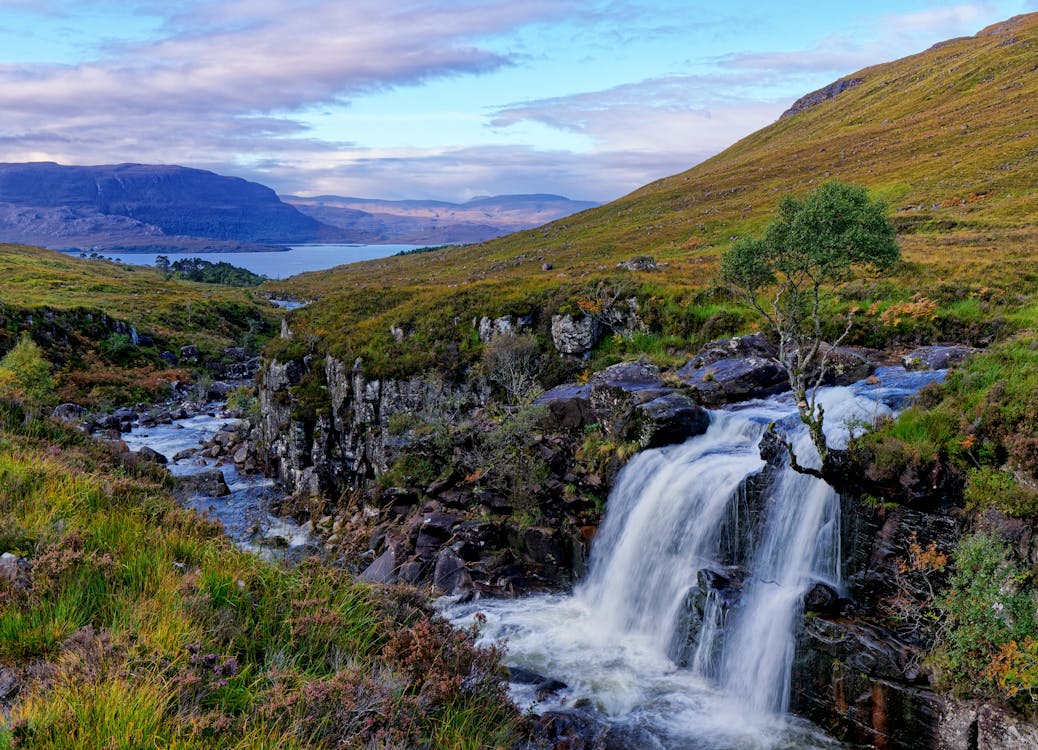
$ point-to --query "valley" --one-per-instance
(548, 490)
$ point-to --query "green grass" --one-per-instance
(148, 629)
(80, 313)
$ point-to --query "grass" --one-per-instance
(139, 625)
(82, 313)
(943, 136)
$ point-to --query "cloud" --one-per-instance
(230, 74)
(952, 19)
(463, 173)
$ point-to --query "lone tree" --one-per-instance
(826, 238)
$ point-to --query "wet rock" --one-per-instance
(450, 575)
(845, 366)
(672, 418)
(575, 336)
(629, 377)
(209, 483)
(433, 533)
(936, 357)
(125, 415)
(822, 599)
(732, 379)
(739, 347)
(147, 453)
(186, 453)
(71, 413)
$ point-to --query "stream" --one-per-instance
(245, 512)
(683, 633)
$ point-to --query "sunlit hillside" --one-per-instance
(946, 137)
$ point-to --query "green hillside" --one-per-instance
(946, 137)
(82, 312)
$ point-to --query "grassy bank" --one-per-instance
(129, 622)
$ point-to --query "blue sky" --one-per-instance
(444, 99)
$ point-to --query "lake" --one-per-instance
(277, 265)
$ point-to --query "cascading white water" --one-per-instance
(677, 515)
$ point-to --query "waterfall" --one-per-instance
(687, 620)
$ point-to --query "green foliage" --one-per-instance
(816, 240)
(25, 378)
(196, 269)
(987, 487)
(989, 605)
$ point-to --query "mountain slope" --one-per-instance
(65, 206)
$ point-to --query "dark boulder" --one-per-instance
(209, 483)
(823, 599)
(169, 358)
(568, 407)
(150, 454)
(732, 379)
(450, 575)
(672, 418)
(189, 353)
(219, 390)
(936, 357)
(845, 366)
(382, 569)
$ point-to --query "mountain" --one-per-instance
(946, 137)
(151, 206)
(438, 222)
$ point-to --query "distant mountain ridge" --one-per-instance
(431, 221)
(157, 208)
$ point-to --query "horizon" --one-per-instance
(442, 100)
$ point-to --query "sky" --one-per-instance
(434, 99)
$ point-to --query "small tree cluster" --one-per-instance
(25, 378)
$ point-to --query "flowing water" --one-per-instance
(685, 627)
(245, 512)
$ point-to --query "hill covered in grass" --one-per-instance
(945, 137)
(105, 325)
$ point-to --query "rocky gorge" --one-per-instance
(432, 482)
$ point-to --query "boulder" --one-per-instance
(209, 483)
(629, 377)
(10, 567)
(568, 407)
(936, 357)
(846, 366)
(672, 418)
(152, 455)
(732, 379)
(575, 336)
(383, 569)
(751, 345)
(450, 576)
(822, 599)
(638, 263)
(70, 413)
(169, 358)
(219, 390)
(189, 353)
